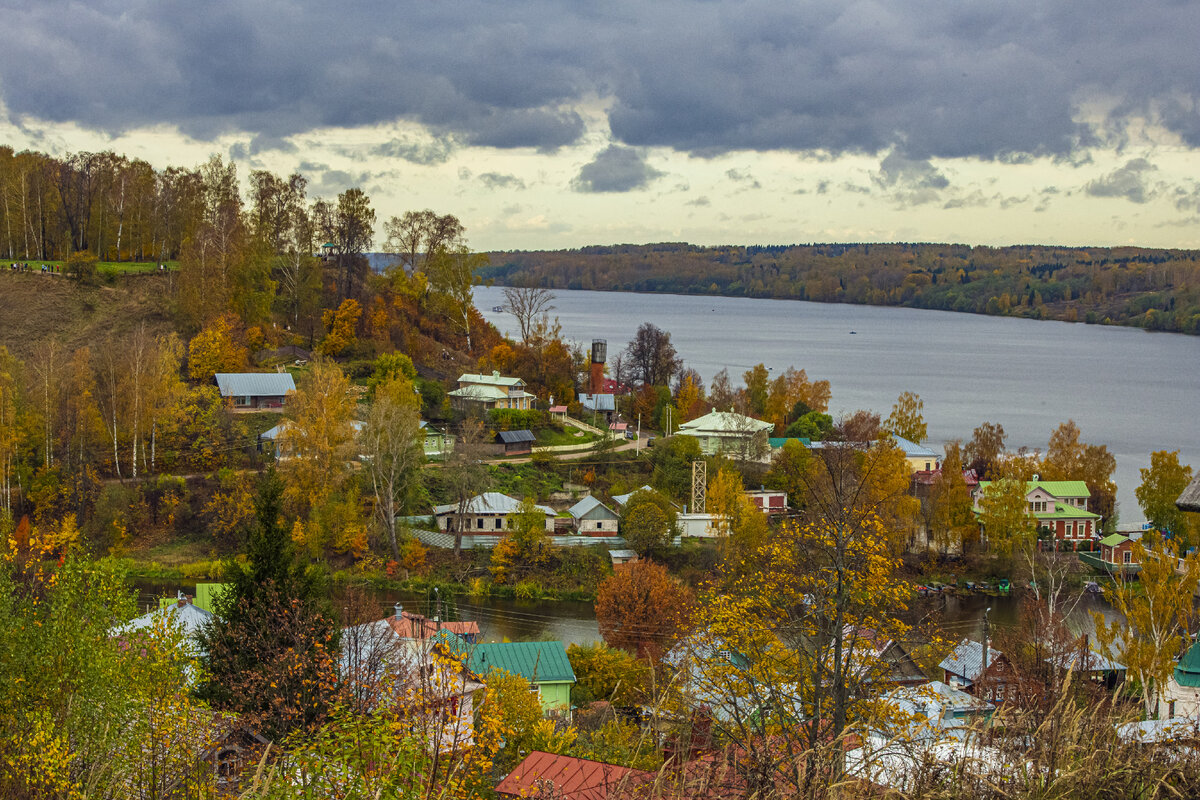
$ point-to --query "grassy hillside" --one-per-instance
(36, 307)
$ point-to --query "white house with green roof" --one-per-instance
(1060, 508)
(730, 433)
(1181, 698)
(486, 392)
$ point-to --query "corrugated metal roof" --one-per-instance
(913, 449)
(489, 503)
(967, 659)
(495, 379)
(538, 662)
(724, 422)
(254, 384)
(588, 505)
(622, 499)
(1190, 499)
(516, 437)
(571, 778)
(598, 402)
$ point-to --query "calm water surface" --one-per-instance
(1134, 391)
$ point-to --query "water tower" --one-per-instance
(599, 356)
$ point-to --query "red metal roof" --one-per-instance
(558, 409)
(412, 626)
(572, 778)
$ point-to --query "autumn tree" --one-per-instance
(270, 654)
(1162, 483)
(952, 520)
(1157, 617)
(320, 437)
(392, 442)
(758, 387)
(466, 474)
(527, 303)
(216, 349)
(341, 327)
(984, 448)
(451, 273)
(651, 357)
(642, 609)
(648, 523)
(906, 420)
(689, 397)
(1008, 524)
(1068, 458)
(10, 433)
(721, 392)
(349, 227)
(861, 426)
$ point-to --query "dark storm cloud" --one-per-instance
(909, 180)
(417, 152)
(1131, 181)
(925, 78)
(615, 169)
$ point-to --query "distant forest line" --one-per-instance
(1147, 288)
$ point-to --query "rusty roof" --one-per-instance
(572, 778)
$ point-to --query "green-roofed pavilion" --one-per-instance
(1187, 672)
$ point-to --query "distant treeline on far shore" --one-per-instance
(1152, 289)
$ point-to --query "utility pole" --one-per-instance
(986, 632)
(637, 443)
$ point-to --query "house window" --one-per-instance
(499, 523)
(479, 523)
(1071, 529)
(1128, 557)
(241, 401)
(599, 526)
(927, 466)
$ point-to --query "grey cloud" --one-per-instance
(822, 187)
(743, 176)
(911, 181)
(335, 181)
(496, 180)
(998, 81)
(422, 153)
(699, 201)
(615, 169)
(1130, 181)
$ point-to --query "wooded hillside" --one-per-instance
(1154, 289)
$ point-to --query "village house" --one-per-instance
(919, 457)
(516, 443)
(1182, 693)
(768, 501)
(487, 392)
(276, 440)
(180, 614)
(381, 667)
(485, 513)
(1060, 508)
(255, 391)
(437, 444)
(1116, 553)
(964, 669)
(420, 628)
(544, 664)
(730, 433)
(593, 517)
(900, 667)
(598, 407)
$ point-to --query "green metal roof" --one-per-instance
(1187, 672)
(1056, 488)
(1064, 511)
(539, 662)
(1113, 540)
(777, 442)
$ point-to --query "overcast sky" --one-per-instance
(545, 125)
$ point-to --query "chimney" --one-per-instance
(399, 611)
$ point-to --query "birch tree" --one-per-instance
(9, 431)
(1157, 616)
(392, 444)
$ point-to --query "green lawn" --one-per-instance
(102, 267)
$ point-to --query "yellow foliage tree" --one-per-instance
(215, 349)
(341, 327)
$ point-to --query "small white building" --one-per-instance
(486, 513)
(594, 518)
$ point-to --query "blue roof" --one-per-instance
(912, 449)
(584, 508)
(254, 384)
(516, 437)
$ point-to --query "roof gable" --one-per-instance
(591, 508)
(966, 660)
(729, 422)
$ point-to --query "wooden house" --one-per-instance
(593, 517)
(544, 664)
(516, 443)
(255, 391)
(487, 392)
(485, 513)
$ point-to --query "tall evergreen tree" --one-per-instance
(270, 656)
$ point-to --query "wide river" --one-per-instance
(1133, 391)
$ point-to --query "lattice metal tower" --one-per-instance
(699, 486)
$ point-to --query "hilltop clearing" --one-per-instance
(37, 307)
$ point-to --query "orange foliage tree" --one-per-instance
(642, 609)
